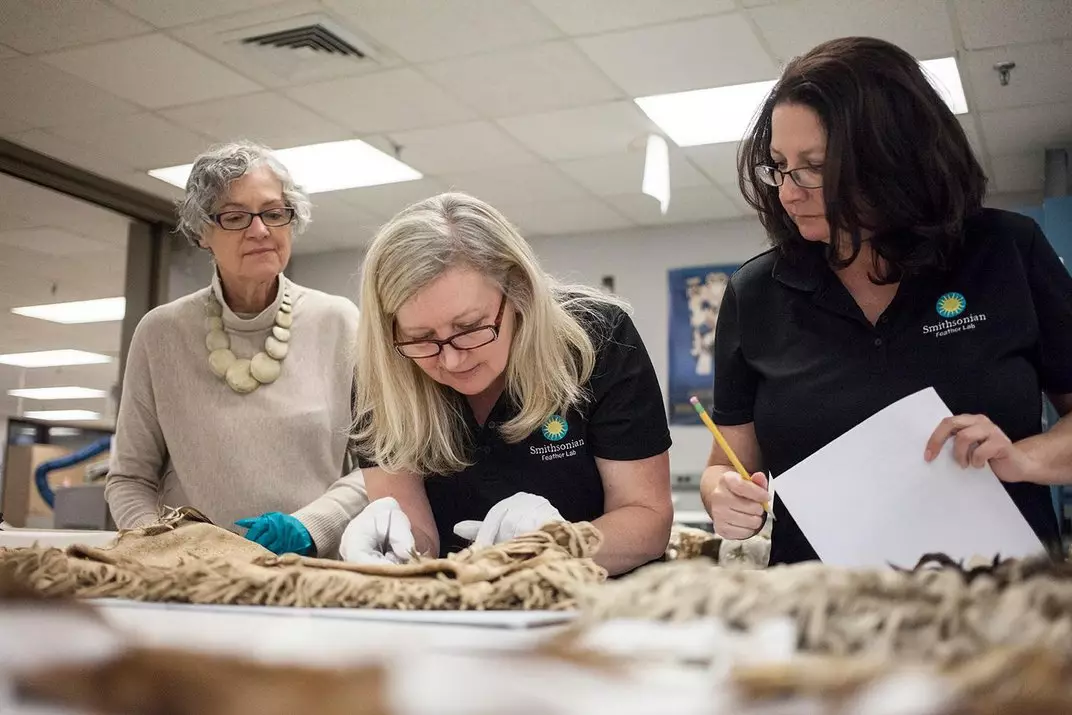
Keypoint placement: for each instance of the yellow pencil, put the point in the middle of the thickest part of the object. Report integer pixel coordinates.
(724, 445)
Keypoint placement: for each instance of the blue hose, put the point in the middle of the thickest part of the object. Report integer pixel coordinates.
(41, 473)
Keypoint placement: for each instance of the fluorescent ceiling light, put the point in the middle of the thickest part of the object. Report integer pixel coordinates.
(324, 167)
(706, 116)
(104, 310)
(54, 358)
(62, 415)
(57, 393)
(944, 76)
(724, 114)
(656, 181)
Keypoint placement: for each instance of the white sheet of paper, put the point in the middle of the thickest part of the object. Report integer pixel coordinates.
(868, 499)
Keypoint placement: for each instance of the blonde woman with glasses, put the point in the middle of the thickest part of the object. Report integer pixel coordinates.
(492, 400)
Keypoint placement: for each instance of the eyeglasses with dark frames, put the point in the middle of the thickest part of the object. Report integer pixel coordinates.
(240, 220)
(466, 340)
(806, 177)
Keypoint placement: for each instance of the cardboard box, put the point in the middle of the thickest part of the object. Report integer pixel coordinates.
(22, 505)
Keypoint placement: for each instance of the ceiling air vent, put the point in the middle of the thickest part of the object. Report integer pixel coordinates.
(314, 37)
(310, 47)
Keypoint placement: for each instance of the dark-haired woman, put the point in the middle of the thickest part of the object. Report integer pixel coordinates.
(886, 276)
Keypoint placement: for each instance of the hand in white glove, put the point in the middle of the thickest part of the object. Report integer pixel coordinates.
(380, 534)
(513, 516)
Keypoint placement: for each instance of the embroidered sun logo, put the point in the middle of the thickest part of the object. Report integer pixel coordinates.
(951, 305)
(555, 428)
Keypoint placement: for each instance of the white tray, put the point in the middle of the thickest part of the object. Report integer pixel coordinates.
(484, 619)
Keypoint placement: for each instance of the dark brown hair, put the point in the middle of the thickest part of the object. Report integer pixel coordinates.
(897, 161)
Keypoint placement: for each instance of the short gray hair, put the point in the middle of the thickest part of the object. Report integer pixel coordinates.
(211, 177)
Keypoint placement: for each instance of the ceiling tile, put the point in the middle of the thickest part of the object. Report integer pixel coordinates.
(423, 31)
(10, 126)
(33, 26)
(553, 75)
(141, 180)
(1041, 75)
(1016, 131)
(1018, 172)
(11, 221)
(7, 53)
(460, 147)
(968, 124)
(76, 152)
(140, 141)
(718, 161)
(395, 100)
(921, 27)
(686, 206)
(546, 218)
(32, 278)
(97, 160)
(738, 201)
(593, 16)
(42, 96)
(153, 71)
(597, 130)
(222, 39)
(516, 184)
(51, 241)
(169, 14)
(52, 208)
(993, 23)
(710, 52)
(337, 224)
(265, 117)
(623, 173)
(388, 199)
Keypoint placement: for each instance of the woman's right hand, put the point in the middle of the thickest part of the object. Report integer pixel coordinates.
(734, 504)
(380, 534)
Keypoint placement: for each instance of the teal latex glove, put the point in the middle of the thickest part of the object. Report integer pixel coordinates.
(279, 533)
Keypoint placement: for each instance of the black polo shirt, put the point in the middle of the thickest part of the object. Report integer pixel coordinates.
(795, 354)
(623, 420)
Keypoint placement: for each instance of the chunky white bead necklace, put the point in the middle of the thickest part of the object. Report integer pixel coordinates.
(241, 375)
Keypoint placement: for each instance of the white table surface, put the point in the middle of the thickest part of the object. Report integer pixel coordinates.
(298, 636)
(12, 537)
(327, 636)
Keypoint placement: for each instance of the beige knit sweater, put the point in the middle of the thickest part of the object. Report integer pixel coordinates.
(184, 438)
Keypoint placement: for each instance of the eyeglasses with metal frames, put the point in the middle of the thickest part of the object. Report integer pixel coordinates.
(806, 177)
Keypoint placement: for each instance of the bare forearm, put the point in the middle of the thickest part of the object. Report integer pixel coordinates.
(1052, 452)
(632, 536)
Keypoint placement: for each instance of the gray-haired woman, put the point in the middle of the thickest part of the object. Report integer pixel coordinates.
(238, 397)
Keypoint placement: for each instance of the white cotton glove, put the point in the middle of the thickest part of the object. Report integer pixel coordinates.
(380, 534)
(510, 518)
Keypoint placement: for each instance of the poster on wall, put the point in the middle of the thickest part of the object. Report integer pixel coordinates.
(695, 296)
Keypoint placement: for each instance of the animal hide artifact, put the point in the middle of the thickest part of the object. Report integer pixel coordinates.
(186, 559)
(937, 611)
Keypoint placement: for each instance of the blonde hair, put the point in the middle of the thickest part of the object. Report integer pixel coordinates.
(407, 422)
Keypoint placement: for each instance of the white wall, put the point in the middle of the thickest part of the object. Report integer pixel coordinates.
(337, 272)
(638, 260)
(189, 269)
